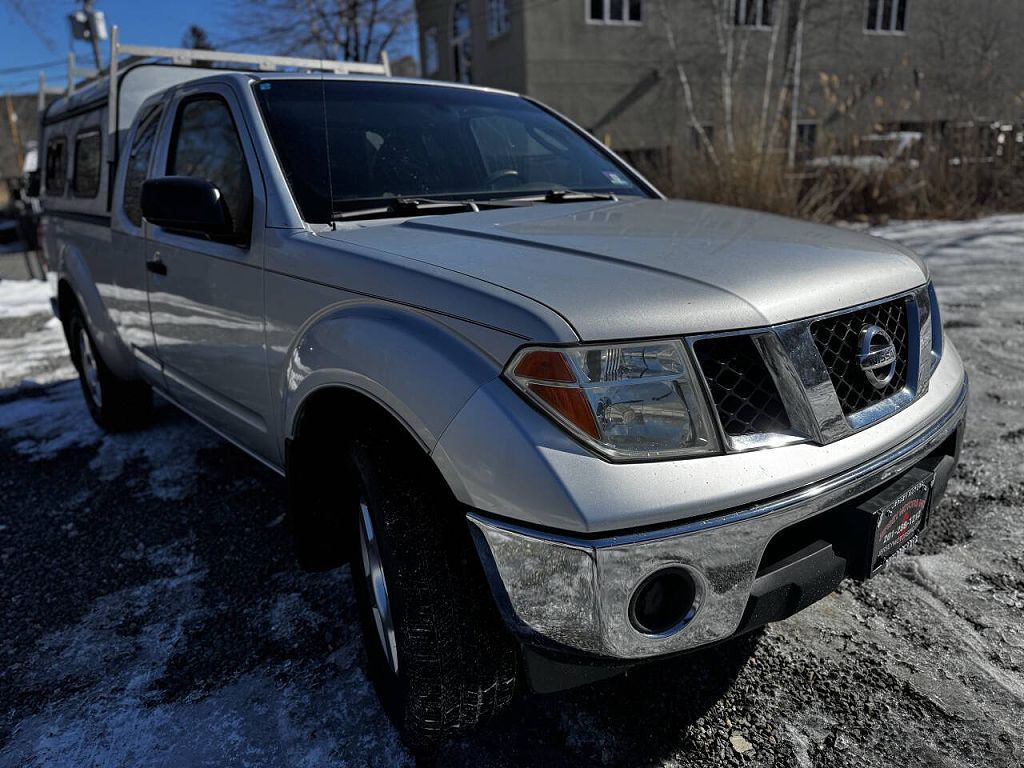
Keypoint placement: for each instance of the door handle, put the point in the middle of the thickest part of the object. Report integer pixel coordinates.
(156, 266)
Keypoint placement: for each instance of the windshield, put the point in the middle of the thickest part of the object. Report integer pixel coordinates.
(395, 140)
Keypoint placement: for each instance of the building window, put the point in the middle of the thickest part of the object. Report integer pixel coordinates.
(887, 16)
(615, 11)
(806, 139)
(430, 52)
(497, 18)
(752, 13)
(85, 178)
(462, 46)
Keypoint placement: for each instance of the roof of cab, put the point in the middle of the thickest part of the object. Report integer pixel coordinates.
(326, 76)
(94, 95)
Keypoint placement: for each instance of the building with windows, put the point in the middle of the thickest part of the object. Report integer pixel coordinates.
(804, 76)
(19, 129)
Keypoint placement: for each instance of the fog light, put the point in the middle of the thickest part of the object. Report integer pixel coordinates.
(663, 602)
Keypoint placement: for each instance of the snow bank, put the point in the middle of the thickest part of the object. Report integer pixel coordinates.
(22, 298)
(36, 356)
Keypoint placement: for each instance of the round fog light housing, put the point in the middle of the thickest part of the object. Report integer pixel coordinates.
(664, 602)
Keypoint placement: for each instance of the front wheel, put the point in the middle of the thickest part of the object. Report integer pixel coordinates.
(114, 404)
(440, 658)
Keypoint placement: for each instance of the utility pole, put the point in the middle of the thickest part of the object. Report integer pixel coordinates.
(93, 37)
(12, 124)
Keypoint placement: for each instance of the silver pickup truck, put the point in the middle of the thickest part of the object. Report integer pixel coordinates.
(558, 424)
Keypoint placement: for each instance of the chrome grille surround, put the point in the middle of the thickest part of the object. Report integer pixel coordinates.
(821, 404)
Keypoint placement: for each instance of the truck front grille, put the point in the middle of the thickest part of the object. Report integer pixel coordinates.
(837, 339)
(745, 396)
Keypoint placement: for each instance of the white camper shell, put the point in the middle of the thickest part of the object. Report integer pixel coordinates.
(83, 132)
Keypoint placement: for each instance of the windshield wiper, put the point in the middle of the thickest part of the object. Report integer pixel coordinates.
(425, 206)
(408, 206)
(563, 196)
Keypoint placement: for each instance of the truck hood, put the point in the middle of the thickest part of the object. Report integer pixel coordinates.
(627, 269)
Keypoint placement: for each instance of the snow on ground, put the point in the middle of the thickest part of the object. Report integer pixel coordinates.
(153, 614)
(56, 419)
(32, 346)
(21, 298)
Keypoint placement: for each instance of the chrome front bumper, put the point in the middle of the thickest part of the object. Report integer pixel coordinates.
(574, 592)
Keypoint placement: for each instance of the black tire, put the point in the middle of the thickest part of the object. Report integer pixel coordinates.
(115, 405)
(456, 661)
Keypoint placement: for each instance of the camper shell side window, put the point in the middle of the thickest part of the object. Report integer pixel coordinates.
(85, 180)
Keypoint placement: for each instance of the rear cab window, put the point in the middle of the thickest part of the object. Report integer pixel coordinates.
(85, 181)
(138, 165)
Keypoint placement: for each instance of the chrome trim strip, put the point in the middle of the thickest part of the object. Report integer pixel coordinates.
(792, 390)
(574, 592)
(812, 382)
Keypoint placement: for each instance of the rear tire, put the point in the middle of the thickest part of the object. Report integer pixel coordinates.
(440, 657)
(115, 404)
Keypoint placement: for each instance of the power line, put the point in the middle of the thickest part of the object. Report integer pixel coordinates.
(29, 17)
(21, 87)
(33, 67)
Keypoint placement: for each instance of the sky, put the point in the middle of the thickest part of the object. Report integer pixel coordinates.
(141, 22)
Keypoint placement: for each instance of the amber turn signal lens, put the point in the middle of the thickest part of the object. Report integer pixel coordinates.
(571, 403)
(545, 365)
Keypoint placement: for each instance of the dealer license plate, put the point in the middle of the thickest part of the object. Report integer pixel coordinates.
(892, 521)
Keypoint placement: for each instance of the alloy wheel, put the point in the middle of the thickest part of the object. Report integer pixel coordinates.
(90, 367)
(376, 586)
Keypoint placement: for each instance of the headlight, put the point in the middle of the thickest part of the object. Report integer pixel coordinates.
(628, 401)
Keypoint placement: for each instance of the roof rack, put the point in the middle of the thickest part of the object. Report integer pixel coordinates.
(187, 57)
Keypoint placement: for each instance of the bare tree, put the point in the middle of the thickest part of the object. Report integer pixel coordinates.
(798, 62)
(350, 30)
(197, 39)
(684, 82)
(769, 75)
(968, 51)
(748, 83)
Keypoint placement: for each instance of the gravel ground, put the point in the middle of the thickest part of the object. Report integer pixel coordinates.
(153, 614)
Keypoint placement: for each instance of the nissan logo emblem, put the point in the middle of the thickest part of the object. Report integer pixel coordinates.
(876, 356)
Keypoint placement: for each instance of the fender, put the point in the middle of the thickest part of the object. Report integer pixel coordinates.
(418, 366)
(73, 270)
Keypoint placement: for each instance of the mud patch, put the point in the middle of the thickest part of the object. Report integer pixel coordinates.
(1015, 437)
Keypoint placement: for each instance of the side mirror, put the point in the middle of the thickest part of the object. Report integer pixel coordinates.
(187, 204)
